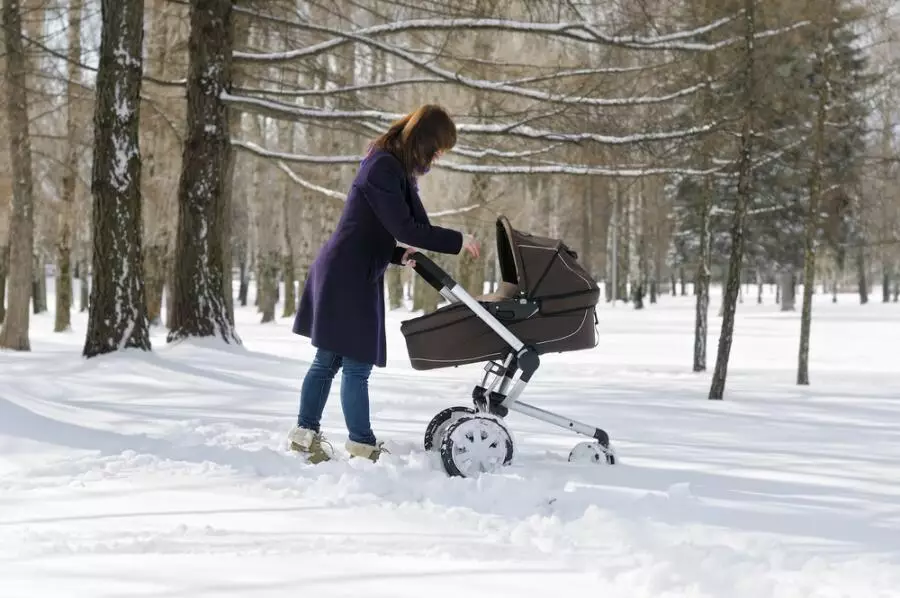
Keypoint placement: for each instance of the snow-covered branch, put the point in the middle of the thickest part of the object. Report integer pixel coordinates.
(337, 90)
(343, 196)
(427, 65)
(493, 169)
(578, 31)
(283, 111)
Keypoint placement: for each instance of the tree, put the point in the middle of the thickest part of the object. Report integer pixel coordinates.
(70, 177)
(14, 333)
(742, 200)
(117, 315)
(200, 308)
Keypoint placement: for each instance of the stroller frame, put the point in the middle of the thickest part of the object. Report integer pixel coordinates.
(500, 390)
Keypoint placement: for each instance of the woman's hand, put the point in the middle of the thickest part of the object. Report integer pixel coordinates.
(471, 245)
(405, 261)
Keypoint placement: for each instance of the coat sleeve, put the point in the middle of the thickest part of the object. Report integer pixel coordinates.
(397, 256)
(384, 192)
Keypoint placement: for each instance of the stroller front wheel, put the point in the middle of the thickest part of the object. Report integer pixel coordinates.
(477, 444)
(592, 452)
(440, 422)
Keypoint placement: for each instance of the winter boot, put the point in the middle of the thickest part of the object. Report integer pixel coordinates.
(309, 443)
(366, 451)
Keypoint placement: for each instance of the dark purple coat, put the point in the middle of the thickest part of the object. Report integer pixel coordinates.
(342, 306)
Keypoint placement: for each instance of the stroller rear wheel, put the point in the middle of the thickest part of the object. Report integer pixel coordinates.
(476, 444)
(440, 422)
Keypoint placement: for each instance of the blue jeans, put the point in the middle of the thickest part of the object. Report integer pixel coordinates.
(354, 394)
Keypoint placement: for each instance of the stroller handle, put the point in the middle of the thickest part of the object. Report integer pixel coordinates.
(431, 272)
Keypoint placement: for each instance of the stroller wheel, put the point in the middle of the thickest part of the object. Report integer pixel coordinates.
(440, 422)
(473, 445)
(592, 452)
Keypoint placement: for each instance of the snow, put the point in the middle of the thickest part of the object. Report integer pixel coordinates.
(164, 474)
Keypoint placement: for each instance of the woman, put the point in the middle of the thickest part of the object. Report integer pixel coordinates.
(342, 307)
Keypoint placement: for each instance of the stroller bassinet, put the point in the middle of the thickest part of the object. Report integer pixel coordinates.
(546, 299)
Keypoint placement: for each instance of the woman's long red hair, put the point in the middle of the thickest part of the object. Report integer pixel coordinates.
(418, 136)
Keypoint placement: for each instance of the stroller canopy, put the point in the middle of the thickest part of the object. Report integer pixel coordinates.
(543, 269)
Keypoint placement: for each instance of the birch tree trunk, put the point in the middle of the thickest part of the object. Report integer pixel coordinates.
(14, 333)
(200, 307)
(701, 292)
(64, 297)
(744, 191)
(118, 312)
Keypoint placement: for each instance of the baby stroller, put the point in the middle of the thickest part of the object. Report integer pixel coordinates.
(545, 304)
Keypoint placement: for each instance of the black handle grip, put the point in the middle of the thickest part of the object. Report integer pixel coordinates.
(431, 272)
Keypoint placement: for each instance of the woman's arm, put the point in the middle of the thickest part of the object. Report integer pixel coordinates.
(384, 192)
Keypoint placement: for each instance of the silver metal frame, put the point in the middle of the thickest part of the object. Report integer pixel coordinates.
(457, 294)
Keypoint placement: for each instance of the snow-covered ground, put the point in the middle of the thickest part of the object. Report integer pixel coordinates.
(164, 474)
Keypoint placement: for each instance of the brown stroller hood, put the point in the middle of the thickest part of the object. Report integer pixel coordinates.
(546, 299)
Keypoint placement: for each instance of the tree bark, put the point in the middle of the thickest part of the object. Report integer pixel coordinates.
(14, 333)
(701, 289)
(268, 285)
(39, 289)
(744, 191)
(244, 288)
(64, 297)
(117, 316)
(200, 306)
(4, 260)
(861, 276)
(815, 198)
(787, 290)
(394, 279)
(885, 284)
(155, 268)
(85, 287)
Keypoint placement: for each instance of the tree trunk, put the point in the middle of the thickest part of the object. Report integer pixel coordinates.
(39, 289)
(118, 311)
(4, 260)
(701, 290)
(155, 276)
(200, 303)
(896, 291)
(702, 278)
(815, 197)
(85, 287)
(288, 274)
(683, 281)
(861, 276)
(244, 288)
(744, 192)
(674, 284)
(759, 289)
(394, 281)
(67, 208)
(268, 286)
(638, 295)
(14, 333)
(885, 284)
(290, 294)
(788, 288)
